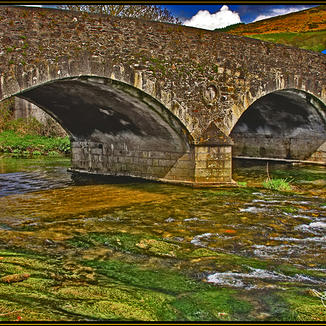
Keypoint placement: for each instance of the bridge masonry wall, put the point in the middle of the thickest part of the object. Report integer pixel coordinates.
(202, 77)
(117, 159)
(298, 148)
(199, 165)
(319, 155)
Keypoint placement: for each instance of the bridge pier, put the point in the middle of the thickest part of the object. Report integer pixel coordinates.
(213, 164)
(209, 166)
(202, 165)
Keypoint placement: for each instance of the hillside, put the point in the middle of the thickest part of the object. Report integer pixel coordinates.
(303, 29)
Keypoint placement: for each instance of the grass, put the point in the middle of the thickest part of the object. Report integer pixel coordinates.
(278, 184)
(27, 136)
(19, 144)
(314, 41)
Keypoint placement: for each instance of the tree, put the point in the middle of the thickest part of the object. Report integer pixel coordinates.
(148, 12)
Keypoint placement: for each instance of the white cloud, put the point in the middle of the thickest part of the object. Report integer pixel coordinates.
(30, 5)
(279, 11)
(204, 19)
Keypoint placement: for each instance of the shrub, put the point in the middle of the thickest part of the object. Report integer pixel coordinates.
(53, 153)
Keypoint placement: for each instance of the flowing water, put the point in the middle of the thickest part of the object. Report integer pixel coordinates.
(101, 248)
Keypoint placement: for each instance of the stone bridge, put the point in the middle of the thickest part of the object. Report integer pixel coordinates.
(162, 101)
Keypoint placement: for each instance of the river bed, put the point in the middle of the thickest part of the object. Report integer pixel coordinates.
(75, 248)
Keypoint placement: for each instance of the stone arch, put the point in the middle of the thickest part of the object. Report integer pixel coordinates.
(261, 87)
(115, 128)
(284, 124)
(91, 92)
(22, 78)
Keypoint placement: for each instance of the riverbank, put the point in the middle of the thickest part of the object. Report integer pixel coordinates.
(32, 144)
(29, 137)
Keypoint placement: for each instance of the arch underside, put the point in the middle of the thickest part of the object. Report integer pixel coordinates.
(115, 128)
(285, 124)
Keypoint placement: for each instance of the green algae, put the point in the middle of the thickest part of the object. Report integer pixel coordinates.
(189, 299)
(302, 173)
(305, 305)
(120, 290)
(112, 302)
(162, 280)
(128, 292)
(185, 254)
(135, 260)
(212, 305)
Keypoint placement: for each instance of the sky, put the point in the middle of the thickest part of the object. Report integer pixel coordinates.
(219, 16)
(210, 17)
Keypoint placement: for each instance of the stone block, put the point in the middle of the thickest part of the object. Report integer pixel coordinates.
(216, 164)
(165, 162)
(128, 160)
(96, 151)
(160, 155)
(215, 150)
(201, 164)
(130, 153)
(220, 172)
(102, 158)
(95, 158)
(100, 167)
(228, 164)
(202, 157)
(118, 152)
(202, 179)
(203, 173)
(157, 171)
(145, 161)
(155, 162)
(202, 149)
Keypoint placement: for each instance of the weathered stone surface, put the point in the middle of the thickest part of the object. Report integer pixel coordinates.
(178, 86)
(287, 124)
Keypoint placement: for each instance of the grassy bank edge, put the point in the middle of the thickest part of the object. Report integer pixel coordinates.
(18, 144)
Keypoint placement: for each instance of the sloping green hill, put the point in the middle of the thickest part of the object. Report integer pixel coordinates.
(304, 29)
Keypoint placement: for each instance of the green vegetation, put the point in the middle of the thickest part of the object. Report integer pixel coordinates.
(149, 287)
(18, 144)
(24, 136)
(304, 29)
(314, 41)
(278, 184)
(228, 28)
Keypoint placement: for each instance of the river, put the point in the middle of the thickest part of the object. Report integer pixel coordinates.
(75, 248)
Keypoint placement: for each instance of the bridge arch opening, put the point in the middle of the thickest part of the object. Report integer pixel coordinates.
(286, 124)
(114, 128)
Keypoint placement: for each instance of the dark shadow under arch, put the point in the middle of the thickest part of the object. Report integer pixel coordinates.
(115, 128)
(285, 124)
(87, 104)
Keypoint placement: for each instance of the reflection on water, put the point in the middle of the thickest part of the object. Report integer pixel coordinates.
(43, 207)
(32, 174)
